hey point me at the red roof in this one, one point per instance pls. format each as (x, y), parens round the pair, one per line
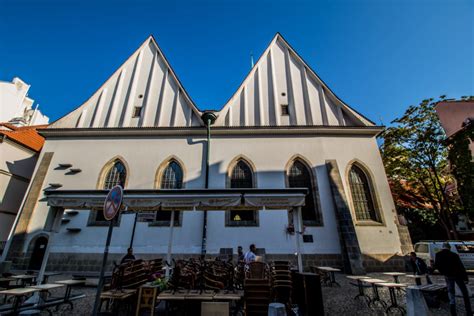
(26, 136)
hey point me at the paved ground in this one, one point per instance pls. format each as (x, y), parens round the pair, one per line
(337, 300)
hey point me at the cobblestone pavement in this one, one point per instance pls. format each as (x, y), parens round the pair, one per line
(337, 300)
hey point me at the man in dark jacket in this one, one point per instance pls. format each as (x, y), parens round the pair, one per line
(449, 264)
(419, 267)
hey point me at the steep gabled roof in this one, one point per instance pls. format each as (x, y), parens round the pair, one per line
(26, 136)
(146, 83)
(280, 81)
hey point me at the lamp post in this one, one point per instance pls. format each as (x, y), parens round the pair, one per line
(209, 117)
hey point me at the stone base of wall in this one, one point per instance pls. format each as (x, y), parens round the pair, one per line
(91, 262)
(384, 262)
(405, 239)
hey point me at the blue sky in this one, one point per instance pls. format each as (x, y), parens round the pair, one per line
(378, 56)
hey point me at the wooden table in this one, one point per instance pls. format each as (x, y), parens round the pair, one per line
(117, 298)
(197, 295)
(393, 297)
(5, 282)
(44, 291)
(18, 294)
(234, 298)
(228, 295)
(416, 277)
(172, 296)
(395, 275)
(46, 287)
(330, 271)
(376, 298)
(23, 278)
(360, 286)
(69, 285)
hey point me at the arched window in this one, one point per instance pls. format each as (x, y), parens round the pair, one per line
(171, 178)
(299, 176)
(116, 174)
(241, 176)
(362, 199)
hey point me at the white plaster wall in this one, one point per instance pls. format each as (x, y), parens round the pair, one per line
(270, 155)
(14, 102)
(11, 100)
(19, 161)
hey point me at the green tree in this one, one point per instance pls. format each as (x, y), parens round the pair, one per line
(415, 157)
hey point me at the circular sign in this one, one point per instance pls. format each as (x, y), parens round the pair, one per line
(113, 202)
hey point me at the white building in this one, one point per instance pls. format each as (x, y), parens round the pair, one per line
(19, 151)
(283, 127)
(16, 107)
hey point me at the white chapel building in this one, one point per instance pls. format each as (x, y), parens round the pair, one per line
(282, 128)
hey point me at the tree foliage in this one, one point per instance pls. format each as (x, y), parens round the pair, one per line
(462, 165)
(415, 157)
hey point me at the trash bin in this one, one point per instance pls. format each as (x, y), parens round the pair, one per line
(276, 309)
(307, 293)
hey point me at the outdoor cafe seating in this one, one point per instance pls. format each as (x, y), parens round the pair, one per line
(370, 289)
(21, 293)
(221, 284)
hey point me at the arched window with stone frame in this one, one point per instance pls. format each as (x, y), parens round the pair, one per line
(170, 177)
(299, 175)
(114, 173)
(363, 195)
(241, 175)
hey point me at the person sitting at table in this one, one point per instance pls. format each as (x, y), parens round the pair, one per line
(240, 254)
(419, 266)
(128, 257)
(250, 255)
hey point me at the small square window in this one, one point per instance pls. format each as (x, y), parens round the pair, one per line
(284, 109)
(137, 111)
(242, 218)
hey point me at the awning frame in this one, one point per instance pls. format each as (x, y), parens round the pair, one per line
(182, 199)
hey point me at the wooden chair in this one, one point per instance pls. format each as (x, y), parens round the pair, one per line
(257, 270)
(147, 299)
(257, 294)
(282, 285)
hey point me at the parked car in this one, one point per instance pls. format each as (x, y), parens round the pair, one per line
(427, 250)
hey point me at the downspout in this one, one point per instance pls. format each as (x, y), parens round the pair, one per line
(209, 117)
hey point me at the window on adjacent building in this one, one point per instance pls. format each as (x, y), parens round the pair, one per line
(284, 109)
(299, 176)
(362, 198)
(241, 176)
(171, 178)
(137, 111)
(116, 175)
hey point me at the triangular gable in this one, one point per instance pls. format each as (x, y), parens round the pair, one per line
(143, 92)
(281, 81)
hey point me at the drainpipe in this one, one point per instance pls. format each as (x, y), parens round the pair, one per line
(209, 117)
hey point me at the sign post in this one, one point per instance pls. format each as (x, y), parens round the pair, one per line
(112, 205)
